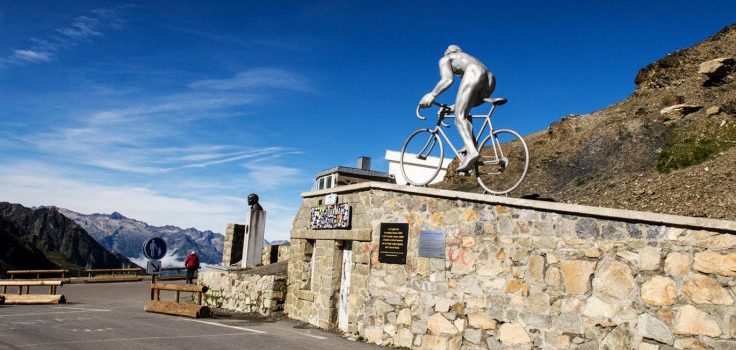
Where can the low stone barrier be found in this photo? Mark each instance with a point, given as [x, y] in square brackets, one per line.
[270, 257]
[242, 292]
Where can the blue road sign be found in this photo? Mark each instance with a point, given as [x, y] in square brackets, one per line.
[154, 248]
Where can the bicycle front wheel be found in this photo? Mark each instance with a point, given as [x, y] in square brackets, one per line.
[421, 157]
[503, 163]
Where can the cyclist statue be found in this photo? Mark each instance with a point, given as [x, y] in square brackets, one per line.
[477, 84]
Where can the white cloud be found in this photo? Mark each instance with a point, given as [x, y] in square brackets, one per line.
[261, 77]
[269, 176]
[81, 29]
[36, 184]
[169, 260]
[133, 139]
[31, 56]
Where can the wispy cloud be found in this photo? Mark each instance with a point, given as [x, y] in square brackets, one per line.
[81, 29]
[262, 77]
[156, 135]
[30, 56]
[269, 176]
[291, 42]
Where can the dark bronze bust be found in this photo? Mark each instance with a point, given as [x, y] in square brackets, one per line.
[253, 202]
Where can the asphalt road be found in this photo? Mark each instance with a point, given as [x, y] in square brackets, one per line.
[111, 316]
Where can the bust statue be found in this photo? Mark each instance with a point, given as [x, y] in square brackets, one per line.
[253, 202]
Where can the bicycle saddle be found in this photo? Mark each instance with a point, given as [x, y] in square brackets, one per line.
[496, 101]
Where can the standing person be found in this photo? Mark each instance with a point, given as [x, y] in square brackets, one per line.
[192, 265]
[477, 83]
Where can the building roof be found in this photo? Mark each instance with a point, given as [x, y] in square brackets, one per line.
[353, 171]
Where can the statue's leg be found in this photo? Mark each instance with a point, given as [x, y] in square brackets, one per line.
[468, 90]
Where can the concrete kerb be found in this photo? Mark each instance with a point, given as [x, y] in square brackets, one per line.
[562, 208]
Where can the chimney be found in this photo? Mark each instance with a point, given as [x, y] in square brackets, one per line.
[364, 163]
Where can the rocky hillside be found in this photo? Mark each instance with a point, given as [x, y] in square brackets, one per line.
[126, 236]
[44, 238]
[666, 148]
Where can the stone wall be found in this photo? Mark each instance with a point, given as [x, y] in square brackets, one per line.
[232, 250]
[241, 292]
[521, 274]
[282, 253]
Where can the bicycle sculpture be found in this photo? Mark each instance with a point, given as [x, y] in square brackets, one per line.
[500, 161]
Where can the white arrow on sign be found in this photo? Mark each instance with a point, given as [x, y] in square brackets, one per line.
[153, 267]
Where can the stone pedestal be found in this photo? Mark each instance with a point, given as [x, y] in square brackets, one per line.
[232, 251]
[253, 241]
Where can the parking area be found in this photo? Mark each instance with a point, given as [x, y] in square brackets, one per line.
[111, 316]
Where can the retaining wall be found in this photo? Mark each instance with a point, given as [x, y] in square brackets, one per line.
[518, 274]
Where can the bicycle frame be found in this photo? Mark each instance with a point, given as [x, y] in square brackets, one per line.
[496, 143]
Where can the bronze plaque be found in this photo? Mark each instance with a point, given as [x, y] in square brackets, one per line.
[392, 243]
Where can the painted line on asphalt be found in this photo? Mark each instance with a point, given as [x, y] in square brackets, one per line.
[229, 326]
[79, 308]
[132, 339]
[53, 313]
[314, 336]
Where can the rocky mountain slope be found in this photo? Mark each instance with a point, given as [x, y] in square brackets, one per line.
[667, 148]
[126, 236]
[44, 238]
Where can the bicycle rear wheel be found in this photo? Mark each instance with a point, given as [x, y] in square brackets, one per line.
[421, 157]
[503, 163]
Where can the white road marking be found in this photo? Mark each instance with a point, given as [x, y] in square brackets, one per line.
[131, 339]
[55, 313]
[229, 326]
[79, 308]
[314, 336]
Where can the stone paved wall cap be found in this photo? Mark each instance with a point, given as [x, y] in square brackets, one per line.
[582, 210]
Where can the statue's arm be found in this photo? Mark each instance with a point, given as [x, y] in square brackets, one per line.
[445, 77]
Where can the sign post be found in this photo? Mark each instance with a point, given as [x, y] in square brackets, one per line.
[154, 249]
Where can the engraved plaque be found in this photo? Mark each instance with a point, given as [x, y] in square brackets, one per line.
[432, 244]
[392, 243]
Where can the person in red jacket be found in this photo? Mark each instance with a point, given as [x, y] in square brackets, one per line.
[192, 265]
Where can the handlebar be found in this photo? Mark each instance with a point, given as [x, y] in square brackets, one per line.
[419, 115]
[442, 107]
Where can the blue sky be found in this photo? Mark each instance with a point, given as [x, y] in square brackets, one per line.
[172, 113]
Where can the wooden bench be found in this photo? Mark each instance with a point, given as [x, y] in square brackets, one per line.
[113, 275]
[177, 308]
[27, 298]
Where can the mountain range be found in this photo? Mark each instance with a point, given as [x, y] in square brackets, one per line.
[43, 238]
[126, 236]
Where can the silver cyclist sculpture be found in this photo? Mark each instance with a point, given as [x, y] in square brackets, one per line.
[476, 85]
[499, 161]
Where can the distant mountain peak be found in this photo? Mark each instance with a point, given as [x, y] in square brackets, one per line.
[126, 236]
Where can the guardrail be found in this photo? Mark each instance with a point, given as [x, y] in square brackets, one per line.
[173, 277]
[177, 308]
[28, 298]
[57, 274]
[113, 275]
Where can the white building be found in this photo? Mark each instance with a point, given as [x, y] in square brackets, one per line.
[415, 168]
[342, 175]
